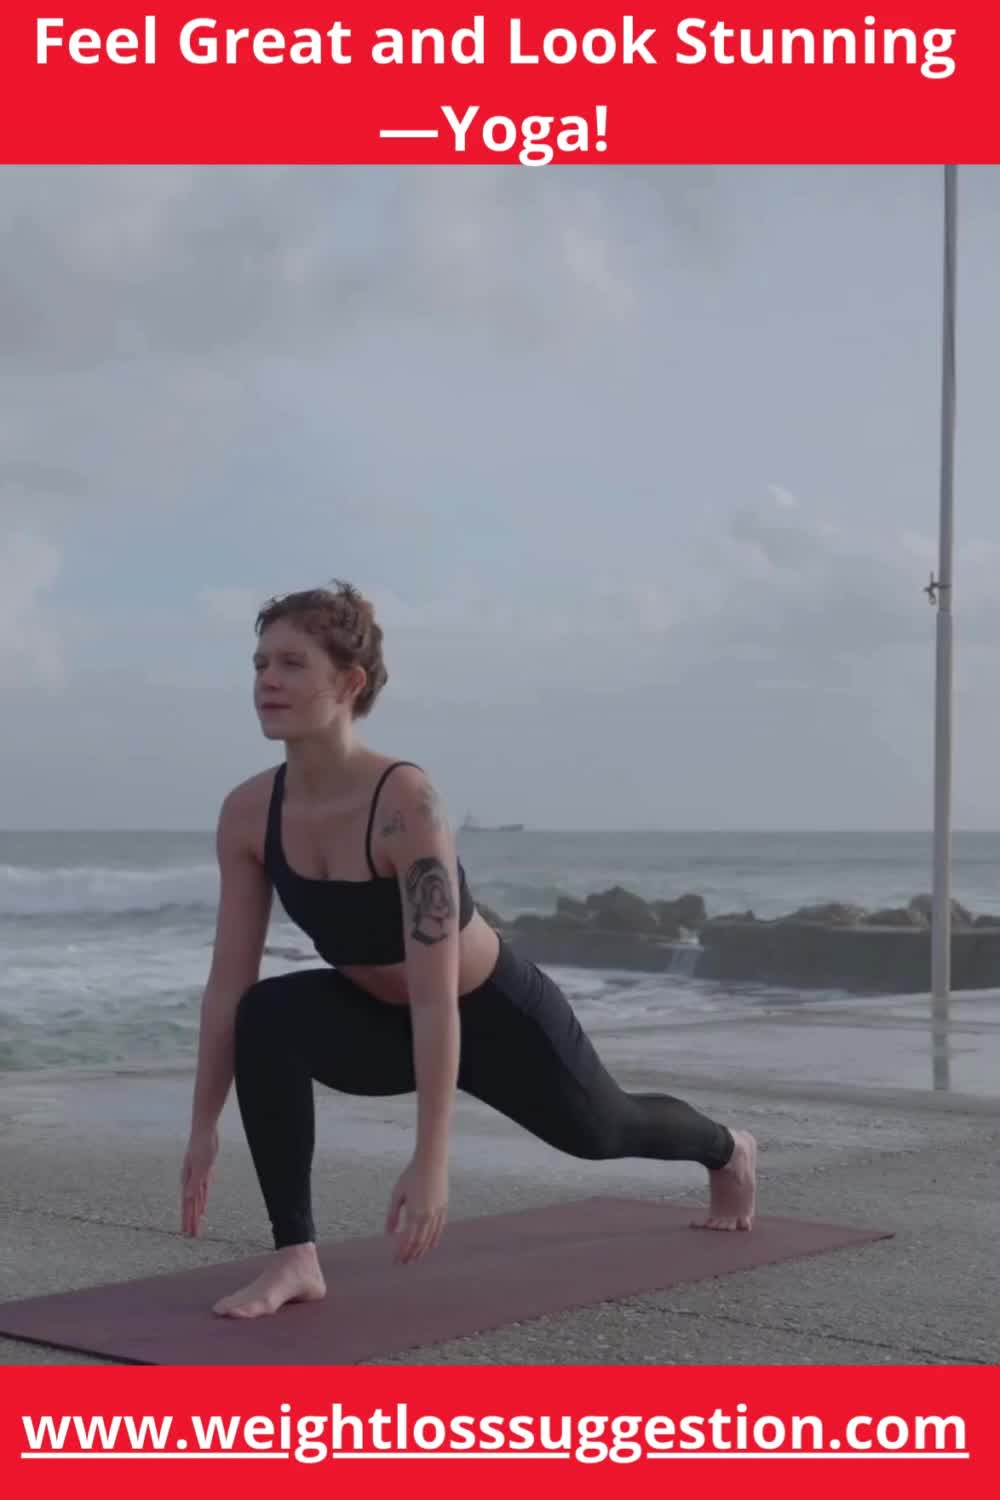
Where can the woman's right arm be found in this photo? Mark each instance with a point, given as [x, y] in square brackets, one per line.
[245, 898]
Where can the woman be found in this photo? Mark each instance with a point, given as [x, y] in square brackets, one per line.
[420, 993]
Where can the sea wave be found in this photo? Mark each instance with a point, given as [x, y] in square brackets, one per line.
[511, 897]
[30, 892]
[129, 924]
[163, 1030]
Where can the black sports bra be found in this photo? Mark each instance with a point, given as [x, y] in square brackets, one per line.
[349, 921]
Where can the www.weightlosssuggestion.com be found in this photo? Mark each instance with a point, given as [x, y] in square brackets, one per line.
[311, 1438]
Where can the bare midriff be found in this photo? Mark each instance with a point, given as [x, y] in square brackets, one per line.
[477, 956]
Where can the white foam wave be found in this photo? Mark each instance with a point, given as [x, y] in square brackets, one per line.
[624, 996]
[27, 892]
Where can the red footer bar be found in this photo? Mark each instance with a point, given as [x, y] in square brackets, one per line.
[787, 1429]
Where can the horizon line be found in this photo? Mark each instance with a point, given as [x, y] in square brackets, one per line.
[684, 832]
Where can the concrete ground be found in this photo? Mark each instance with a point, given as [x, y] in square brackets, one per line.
[866, 1114]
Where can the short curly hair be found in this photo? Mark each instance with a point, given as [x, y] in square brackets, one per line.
[344, 624]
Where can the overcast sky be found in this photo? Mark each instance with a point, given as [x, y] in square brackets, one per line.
[640, 465]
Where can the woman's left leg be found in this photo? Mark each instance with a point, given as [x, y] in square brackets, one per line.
[525, 1053]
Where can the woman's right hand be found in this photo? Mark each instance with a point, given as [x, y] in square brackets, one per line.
[203, 1148]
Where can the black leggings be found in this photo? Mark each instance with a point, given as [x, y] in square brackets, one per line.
[523, 1052]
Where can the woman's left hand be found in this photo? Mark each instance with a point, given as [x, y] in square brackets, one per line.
[420, 1199]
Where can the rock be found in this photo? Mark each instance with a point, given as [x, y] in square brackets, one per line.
[559, 923]
[729, 919]
[543, 943]
[687, 912]
[896, 916]
[831, 914]
[576, 913]
[618, 910]
[860, 960]
[826, 947]
[494, 918]
[960, 915]
[532, 921]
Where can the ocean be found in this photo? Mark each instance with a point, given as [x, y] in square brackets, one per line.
[106, 937]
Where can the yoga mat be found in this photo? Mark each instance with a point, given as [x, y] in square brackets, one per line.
[487, 1273]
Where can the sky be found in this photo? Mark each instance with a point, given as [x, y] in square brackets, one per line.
[640, 467]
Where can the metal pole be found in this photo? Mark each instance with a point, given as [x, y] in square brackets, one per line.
[942, 593]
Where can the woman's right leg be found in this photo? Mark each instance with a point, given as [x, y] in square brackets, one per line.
[291, 1029]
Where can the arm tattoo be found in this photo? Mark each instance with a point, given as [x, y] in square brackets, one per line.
[428, 892]
[396, 824]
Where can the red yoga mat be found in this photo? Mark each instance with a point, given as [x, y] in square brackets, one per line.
[487, 1273]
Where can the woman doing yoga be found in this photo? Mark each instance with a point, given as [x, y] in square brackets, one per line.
[417, 991]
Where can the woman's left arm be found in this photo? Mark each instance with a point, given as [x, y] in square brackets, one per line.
[415, 836]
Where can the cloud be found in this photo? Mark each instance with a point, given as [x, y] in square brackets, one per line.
[106, 265]
[31, 651]
[231, 606]
[773, 593]
[183, 317]
[923, 548]
[805, 586]
[633, 605]
[586, 477]
[36, 477]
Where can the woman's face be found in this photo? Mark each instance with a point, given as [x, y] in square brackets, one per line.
[297, 688]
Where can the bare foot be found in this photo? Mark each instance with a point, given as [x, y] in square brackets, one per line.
[733, 1188]
[293, 1275]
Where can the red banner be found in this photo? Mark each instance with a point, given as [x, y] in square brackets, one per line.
[116, 1431]
[437, 82]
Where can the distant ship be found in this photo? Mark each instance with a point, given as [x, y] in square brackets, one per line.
[473, 825]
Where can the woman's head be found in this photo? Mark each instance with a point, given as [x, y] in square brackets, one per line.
[319, 656]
